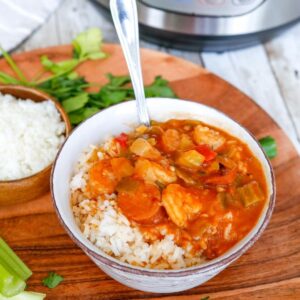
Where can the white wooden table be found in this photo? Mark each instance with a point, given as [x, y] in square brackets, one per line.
[269, 73]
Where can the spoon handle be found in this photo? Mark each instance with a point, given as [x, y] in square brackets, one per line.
[124, 14]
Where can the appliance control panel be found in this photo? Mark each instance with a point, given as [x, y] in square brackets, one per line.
[209, 8]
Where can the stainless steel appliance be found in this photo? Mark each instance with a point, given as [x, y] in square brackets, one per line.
[213, 25]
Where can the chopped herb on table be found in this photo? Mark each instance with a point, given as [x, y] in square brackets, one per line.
[70, 89]
[52, 280]
[13, 276]
[269, 145]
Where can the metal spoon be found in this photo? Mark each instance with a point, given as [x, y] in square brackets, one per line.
[124, 14]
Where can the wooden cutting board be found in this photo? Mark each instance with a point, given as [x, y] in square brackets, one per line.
[269, 270]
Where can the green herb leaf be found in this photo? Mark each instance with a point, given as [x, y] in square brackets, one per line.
[64, 87]
[52, 280]
[159, 88]
[89, 111]
[62, 67]
[110, 97]
[73, 75]
[76, 102]
[118, 81]
[87, 45]
[77, 116]
[80, 115]
[269, 145]
[205, 298]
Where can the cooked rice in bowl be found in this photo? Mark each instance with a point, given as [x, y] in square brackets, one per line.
[169, 196]
[102, 222]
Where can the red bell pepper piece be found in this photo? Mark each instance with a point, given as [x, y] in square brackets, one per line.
[226, 179]
[207, 152]
[122, 139]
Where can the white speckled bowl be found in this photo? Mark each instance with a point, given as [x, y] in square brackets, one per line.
[122, 118]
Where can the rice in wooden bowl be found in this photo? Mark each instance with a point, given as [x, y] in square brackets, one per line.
[34, 126]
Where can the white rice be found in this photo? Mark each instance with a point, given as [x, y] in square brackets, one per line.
[105, 226]
[30, 136]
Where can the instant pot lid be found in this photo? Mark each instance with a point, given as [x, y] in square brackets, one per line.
[213, 25]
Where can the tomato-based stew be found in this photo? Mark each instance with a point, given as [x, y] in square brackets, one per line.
[183, 177]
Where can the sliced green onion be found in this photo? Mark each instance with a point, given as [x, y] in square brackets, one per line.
[12, 263]
[10, 284]
[269, 145]
[25, 296]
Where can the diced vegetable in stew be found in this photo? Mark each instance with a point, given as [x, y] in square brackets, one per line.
[200, 184]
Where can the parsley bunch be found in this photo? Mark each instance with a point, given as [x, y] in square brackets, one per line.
[70, 89]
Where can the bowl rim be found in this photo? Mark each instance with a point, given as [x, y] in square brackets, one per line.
[58, 107]
[214, 265]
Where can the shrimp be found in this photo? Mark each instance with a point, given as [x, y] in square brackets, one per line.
[205, 135]
[105, 175]
[153, 172]
[181, 204]
[121, 167]
[170, 140]
[102, 179]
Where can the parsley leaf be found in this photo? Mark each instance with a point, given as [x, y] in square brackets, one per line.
[80, 115]
[87, 45]
[159, 88]
[76, 102]
[205, 298]
[116, 91]
[60, 67]
[269, 145]
[118, 81]
[64, 87]
[52, 280]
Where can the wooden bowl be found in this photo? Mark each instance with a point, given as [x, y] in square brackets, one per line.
[28, 188]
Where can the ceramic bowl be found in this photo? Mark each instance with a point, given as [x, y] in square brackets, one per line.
[25, 189]
[122, 118]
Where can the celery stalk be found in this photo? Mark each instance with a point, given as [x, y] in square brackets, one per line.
[12, 263]
[10, 284]
[25, 296]
[13, 65]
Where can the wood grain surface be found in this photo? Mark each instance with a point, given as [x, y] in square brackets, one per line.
[269, 270]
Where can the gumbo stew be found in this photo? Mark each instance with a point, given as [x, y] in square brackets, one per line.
[185, 178]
